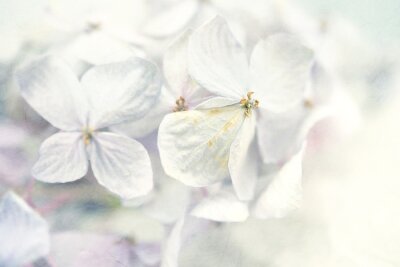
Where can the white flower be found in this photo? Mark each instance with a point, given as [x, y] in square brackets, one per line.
[284, 193]
[181, 92]
[78, 248]
[222, 206]
[203, 146]
[24, 234]
[105, 95]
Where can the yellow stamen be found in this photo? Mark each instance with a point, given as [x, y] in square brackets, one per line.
[249, 104]
[87, 136]
[180, 105]
[308, 103]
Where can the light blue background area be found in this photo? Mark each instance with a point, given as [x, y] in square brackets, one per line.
[380, 19]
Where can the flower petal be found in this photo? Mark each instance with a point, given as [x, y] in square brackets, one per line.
[171, 19]
[243, 160]
[173, 244]
[62, 158]
[99, 48]
[52, 89]
[78, 248]
[175, 66]
[121, 164]
[284, 193]
[150, 122]
[280, 67]
[122, 91]
[217, 61]
[280, 135]
[24, 234]
[194, 145]
[222, 207]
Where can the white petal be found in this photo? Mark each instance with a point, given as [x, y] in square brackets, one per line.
[217, 61]
[99, 48]
[175, 65]
[77, 249]
[121, 91]
[53, 90]
[223, 207]
[173, 245]
[171, 19]
[194, 145]
[216, 102]
[24, 234]
[170, 199]
[284, 193]
[185, 231]
[62, 158]
[150, 122]
[280, 67]
[280, 135]
[243, 160]
[121, 164]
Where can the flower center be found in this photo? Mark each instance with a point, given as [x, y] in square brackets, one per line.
[180, 105]
[92, 26]
[249, 104]
[308, 103]
[87, 136]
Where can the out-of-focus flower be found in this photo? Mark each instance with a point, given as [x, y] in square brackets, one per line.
[284, 192]
[24, 234]
[105, 95]
[278, 194]
[222, 206]
[203, 146]
[169, 199]
[13, 155]
[181, 234]
[76, 249]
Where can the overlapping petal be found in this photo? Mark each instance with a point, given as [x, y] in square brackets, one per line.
[217, 61]
[53, 90]
[121, 164]
[280, 68]
[24, 234]
[194, 145]
[176, 72]
[243, 160]
[62, 158]
[223, 207]
[284, 193]
[119, 92]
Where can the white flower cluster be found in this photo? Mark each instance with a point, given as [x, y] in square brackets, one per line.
[214, 131]
[194, 112]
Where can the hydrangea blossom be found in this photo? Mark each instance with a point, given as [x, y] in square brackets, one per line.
[203, 146]
[82, 109]
[24, 233]
[180, 93]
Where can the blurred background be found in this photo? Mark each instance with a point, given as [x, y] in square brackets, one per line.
[350, 215]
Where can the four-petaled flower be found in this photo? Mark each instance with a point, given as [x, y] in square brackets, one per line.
[105, 95]
[203, 146]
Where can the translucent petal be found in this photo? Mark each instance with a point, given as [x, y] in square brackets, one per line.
[243, 160]
[284, 193]
[280, 68]
[194, 145]
[217, 61]
[223, 207]
[121, 164]
[52, 89]
[122, 91]
[24, 234]
[62, 158]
